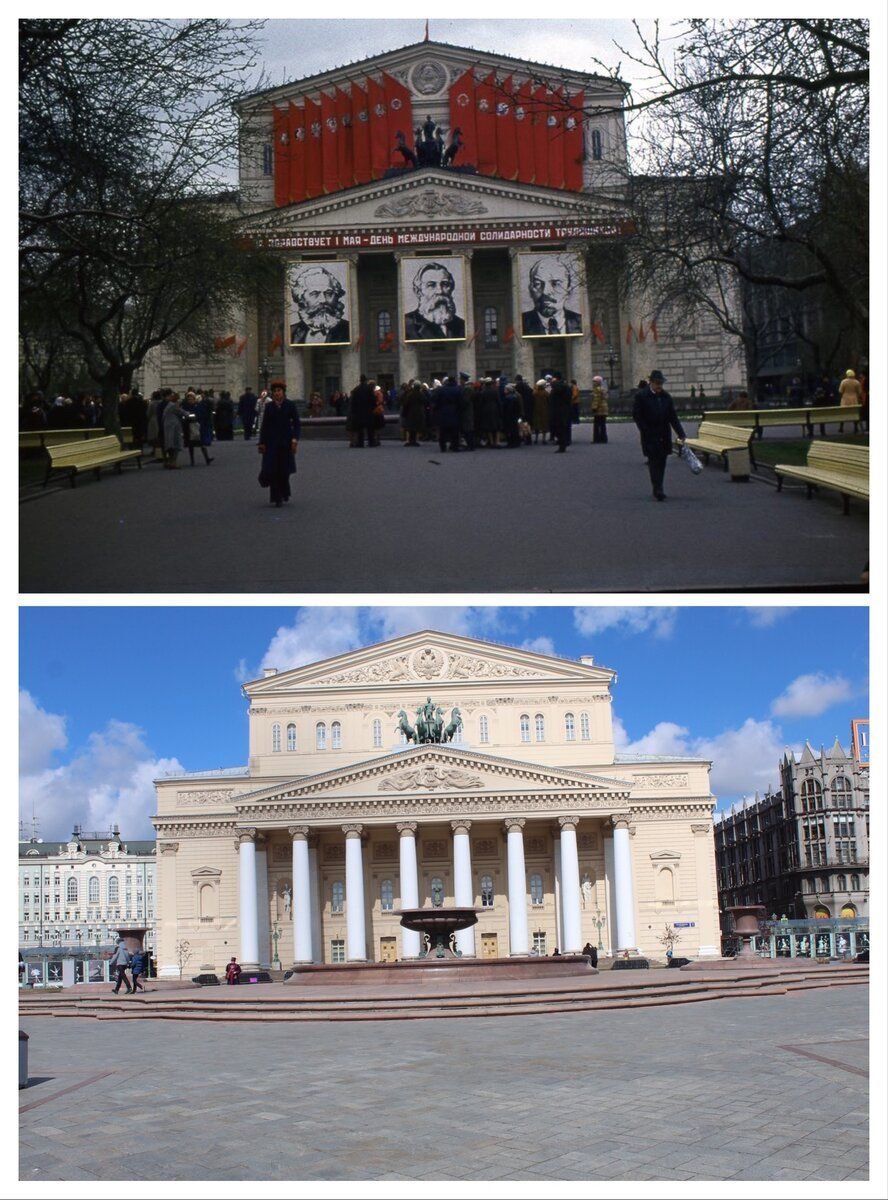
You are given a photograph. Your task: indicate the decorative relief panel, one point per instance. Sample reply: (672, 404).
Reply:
(587, 841)
(428, 662)
(462, 666)
(431, 777)
(333, 853)
(389, 670)
(661, 781)
(217, 796)
(280, 853)
(536, 845)
(431, 204)
(485, 848)
(385, 851)
(434, 848)
(428, 77)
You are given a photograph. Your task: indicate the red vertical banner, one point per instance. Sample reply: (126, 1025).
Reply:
(329, 153)
(314, 181)
(506, 134)
(462, 117)
(360, 134)
(281, 162)
(573, 144)
(344, 139)
(555, 137)
(485, 125)
(524, 131)
(540, 137)
(380, 151)
(297, 153)
(400, 117)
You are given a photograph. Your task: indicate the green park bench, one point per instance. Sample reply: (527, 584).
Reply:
(837, 466)
(760, 419)
(89, 455)
(714, 438)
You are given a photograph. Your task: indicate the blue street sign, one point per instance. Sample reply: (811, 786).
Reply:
(684, 924)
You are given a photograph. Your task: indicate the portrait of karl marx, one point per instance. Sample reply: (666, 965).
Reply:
(550, 282)
(434, 316)
(319, 305)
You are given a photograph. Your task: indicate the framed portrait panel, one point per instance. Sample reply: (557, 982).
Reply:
(318, 303)
(433, 294)
(549, 288)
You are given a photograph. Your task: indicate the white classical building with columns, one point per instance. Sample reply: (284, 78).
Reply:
(528, 814)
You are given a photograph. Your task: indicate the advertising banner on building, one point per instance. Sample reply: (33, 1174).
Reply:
(860, 738)
(549, 294)
(318, 304)
(433, 299)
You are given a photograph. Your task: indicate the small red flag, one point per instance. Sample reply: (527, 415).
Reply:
(652, 328)
(641, 333)
(509, 335)
(628, 333)
(598, 332)
(241, 346)
(387, 342)
(275, 343)
(222, 343)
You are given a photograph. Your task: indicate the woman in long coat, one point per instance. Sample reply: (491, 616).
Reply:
(173, 431)
(540, 422)
(278, 442)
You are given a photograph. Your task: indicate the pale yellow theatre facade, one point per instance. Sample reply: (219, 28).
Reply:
(528, 814)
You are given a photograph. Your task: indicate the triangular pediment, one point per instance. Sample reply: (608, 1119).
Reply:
(424, 659)
(206, 873)
(439, 770)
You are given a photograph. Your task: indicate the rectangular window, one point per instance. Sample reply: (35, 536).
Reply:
(337, 950)
(267, 159)
(539, 943)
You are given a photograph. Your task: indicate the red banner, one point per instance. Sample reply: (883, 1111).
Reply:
(485, 125)
(524, 131)
(344, 141)
(555, 135)
(313, 160)
(400, 117)
(329, 139)
(297, 153)
(573, 145)
(506, 134)
(380, 158)
(360, 134)
(281, 158)
(462, 116)
(540, 138)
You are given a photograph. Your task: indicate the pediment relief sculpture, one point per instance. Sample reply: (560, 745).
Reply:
(431, 778)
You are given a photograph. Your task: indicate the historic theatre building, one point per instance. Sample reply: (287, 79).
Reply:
(437, 209)
(518, 805)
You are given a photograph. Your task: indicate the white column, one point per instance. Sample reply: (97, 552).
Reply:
(355, 925)
(579, 349)
(410, 945)
(517, 887)
(559, 918)
(350, 356)
(249, 929)
(570, 886)
(465, 351)
(709, 945)
(463, 891)
(408, 353)
(262, 905)
(625, 900)
(317, 943)
(522, 348)
(295, 361)
(167, 926)
(610, 911)
(301, 899)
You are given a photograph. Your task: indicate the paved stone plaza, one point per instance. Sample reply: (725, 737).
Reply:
(415, 520)
(759, 1089)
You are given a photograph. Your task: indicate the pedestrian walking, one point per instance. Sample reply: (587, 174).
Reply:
(138, 964)
(278, 443)
(654, 414)
(599, 411)
(233, 970)
(560, 408)
(246, 410)
(119, 962)
(173, 431)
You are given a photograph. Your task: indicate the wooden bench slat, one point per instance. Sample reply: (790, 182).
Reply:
(88, 455)
(837, 466)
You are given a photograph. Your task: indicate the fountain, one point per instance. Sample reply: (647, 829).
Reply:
(440, 925)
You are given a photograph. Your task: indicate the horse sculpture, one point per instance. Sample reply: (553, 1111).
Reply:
(455, 725)
(406, 728)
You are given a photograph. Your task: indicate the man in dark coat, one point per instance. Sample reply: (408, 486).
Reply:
(224, 415)
(446, 401)
(559, 407)
(246, 410)
(360, 413)
(525, 391)
(278, 442)
(654, 414)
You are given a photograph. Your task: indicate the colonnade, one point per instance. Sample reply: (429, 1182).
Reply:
(306, 923)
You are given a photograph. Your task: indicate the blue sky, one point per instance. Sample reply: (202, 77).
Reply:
(113, 697)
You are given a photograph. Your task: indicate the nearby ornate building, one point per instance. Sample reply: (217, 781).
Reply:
(526, 813)
(75, 895)
(500, 174)
(803, 851)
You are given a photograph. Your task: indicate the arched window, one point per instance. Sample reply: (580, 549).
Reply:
(585, 734)
(291, 736)
(377, 733)
(539, 726)
(275, 739)
(113, 890)
(94, 889)
(483, 730)
(487, 891)
(321, 736)
(491, 337)
(387, 895)
(383, 324)
(524, 726)
(849, 912)
(337, 896)
(841, 883)
(812, 796)
(72, 890)
(596, 144)
(821, 913)
(570, 728)
(536, 889)
(841, 792)
(336, 735)
(855, 883)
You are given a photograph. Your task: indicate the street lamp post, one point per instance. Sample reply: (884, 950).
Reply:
(611, 359)
(599, 923)
(275, 935)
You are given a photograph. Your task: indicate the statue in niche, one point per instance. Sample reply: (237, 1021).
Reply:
(288, 899)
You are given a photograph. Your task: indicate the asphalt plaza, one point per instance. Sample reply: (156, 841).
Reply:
(771, 1088)
(394, 519)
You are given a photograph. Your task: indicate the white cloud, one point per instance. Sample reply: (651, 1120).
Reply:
(659, 621)
(472, 622)
(40, 734)
(761, 617)
(108, 781)
(539, 645)
(811, 695)
(316, 633)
